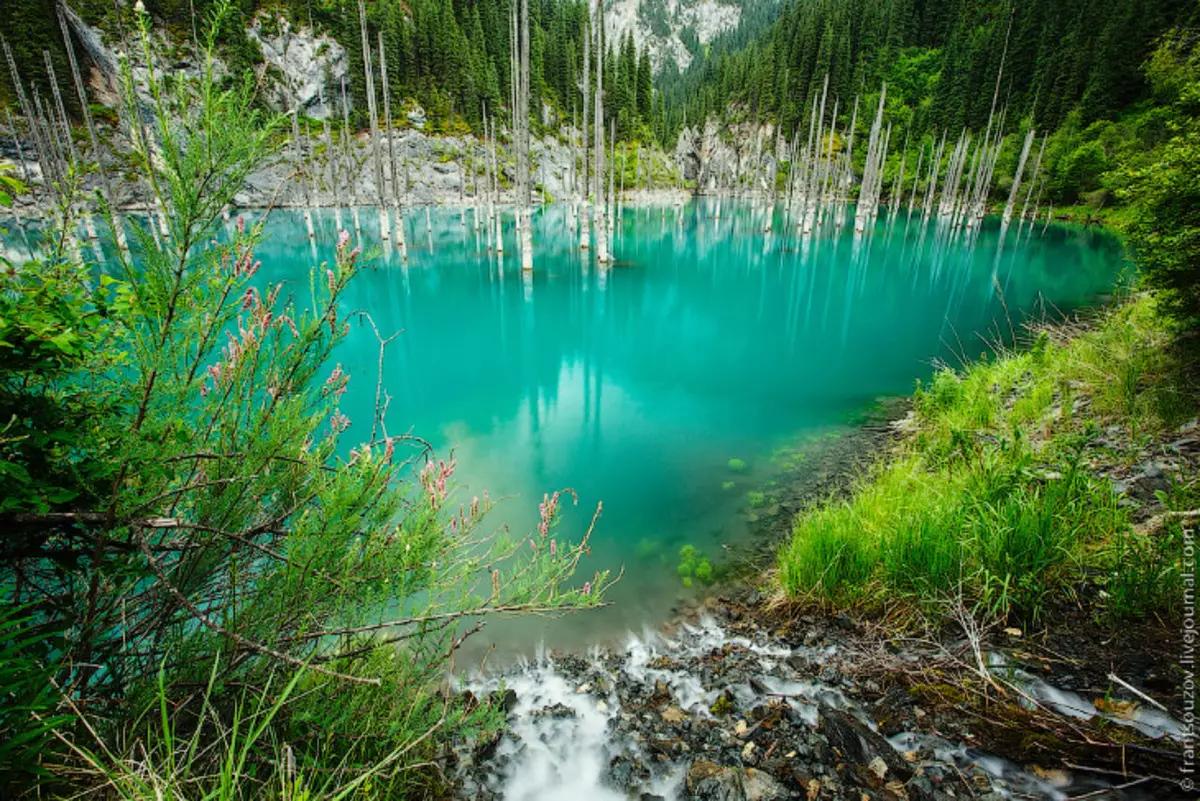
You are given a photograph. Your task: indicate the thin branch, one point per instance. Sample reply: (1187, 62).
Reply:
(204, 620)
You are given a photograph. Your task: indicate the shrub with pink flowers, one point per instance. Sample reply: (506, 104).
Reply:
(181, 495)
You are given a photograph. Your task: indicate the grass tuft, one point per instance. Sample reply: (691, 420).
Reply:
(991, 495)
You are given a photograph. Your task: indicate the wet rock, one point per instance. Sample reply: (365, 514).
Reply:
(621, 773)
(1149, 479)
(858, 744)
(673, 715)
(661, 694)
(759, 786)
(712, 782)
(554, 711)
(506, 700)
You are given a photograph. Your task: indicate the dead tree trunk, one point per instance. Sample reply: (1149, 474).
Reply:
(384, 225)
(598, 125)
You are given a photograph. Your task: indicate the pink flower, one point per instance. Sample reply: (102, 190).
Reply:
(587, 588)
(332, 283)
(343, 238)
(339, 422)
(553, 548)
(241, 224)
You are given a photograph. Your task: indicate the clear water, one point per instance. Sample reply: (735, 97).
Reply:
(707, 341)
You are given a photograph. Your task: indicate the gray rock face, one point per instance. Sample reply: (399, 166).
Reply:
(312, 66)
(741, 155)
(669, 27)
(429, 170)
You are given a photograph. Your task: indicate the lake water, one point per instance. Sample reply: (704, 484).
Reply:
(707, 341)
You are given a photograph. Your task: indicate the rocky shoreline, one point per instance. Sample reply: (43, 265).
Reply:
(746, 698)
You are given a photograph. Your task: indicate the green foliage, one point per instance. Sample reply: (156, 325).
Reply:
(722, 706)
(9, 185)
(736, 465)
(228, 749)
(939, 58)
(29, 714)
(989, 498)
(1165, 193)
(180, 494)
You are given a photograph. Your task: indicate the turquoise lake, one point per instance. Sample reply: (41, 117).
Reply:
(708, 340)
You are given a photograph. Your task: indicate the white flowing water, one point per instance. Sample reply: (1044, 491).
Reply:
(566, 727)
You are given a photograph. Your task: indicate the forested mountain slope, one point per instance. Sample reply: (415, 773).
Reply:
(941, 59)
(450, 56)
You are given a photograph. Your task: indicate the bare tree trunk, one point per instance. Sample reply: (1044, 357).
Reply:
(1037, 164)
(612, 185)
(868, 195)
(912, 199)
(401, 244)
(1012, 195)
(40, 154)
(71, 151)
(496, 175)
(297, 158)
(107, 195)
(598, 125)
(348, 158)
(384, 224)
(330, 179)
(12, 126)
(585, 88)
(525, 199)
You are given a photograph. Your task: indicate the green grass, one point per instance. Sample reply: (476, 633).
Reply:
(991, 495)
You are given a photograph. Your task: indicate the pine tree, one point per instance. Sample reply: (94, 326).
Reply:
(645, 86)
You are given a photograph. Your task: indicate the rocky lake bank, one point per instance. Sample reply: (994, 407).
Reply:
(746, 696)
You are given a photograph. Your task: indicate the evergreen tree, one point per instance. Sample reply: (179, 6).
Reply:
(645, 87)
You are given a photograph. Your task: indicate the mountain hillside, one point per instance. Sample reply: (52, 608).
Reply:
(673, 30)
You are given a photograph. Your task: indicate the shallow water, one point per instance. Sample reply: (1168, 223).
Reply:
(707, 341)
